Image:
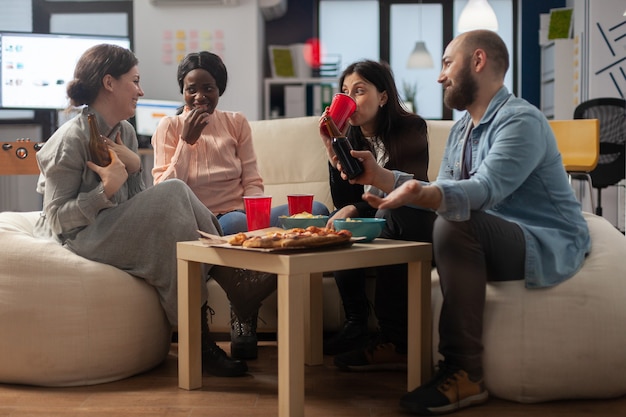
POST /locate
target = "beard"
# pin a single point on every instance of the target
(461, 95)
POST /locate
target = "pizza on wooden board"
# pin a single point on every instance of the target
(310, 237)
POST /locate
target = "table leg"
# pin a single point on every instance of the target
(291, 293)
(189, 332)
(313, 321)
(419, 324)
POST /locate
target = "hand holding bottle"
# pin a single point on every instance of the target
(350, 166)
(130, 159)
(113, 176)
(98, 149)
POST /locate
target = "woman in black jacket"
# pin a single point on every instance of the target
(399, 141)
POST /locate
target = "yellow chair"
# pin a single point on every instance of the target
(579, 143)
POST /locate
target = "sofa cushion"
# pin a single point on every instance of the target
(438, 131)
(564, 342)
(292, 158)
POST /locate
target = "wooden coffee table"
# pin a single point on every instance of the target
(300, 306)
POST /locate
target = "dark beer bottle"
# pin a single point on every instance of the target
(98, 150)
(349, 164)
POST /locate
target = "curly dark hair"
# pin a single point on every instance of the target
(207, 61)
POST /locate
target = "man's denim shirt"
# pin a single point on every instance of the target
(517, 174)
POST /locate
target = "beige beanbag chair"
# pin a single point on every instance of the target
(564, 342)
(67, 321)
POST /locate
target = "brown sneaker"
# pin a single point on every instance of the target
(376, 356)
(450, 390)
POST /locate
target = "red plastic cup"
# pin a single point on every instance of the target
(340, 110)
(258, 208)
(299, 203)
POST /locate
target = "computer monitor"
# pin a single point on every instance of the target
(148, 114)
(35, 68)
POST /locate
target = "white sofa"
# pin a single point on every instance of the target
(292, 159)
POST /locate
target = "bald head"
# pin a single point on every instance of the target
(491, 43)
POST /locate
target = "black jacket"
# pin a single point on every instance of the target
(408, 152)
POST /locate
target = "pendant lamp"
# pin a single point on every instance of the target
(420, 57)
(477, 14)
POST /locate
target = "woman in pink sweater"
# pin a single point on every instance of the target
(212, 151)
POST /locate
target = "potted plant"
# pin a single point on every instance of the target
(410, 91)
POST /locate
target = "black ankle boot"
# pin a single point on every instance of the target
(214, 360)
(353, 335)
(243, 338)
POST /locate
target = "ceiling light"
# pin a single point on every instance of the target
(477, 14)
(420, 57)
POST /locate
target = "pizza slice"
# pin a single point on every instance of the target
(310, 237)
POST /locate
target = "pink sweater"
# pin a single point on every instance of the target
(220, 168)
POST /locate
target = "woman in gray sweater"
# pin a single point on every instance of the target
(105, 213)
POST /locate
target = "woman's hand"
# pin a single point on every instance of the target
(113, 176)
(197, 118)
(130, 159)
(326, 139)
(342, 213)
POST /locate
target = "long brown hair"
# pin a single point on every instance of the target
(93, 65)
(391, 115)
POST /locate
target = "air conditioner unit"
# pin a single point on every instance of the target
(273, 9)
(195, 2)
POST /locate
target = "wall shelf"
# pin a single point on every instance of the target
(297, 97)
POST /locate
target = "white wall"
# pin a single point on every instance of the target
(600, 72)
(164, 33)
(601, 31)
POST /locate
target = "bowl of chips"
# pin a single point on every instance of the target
(302, 220)
(365, 229)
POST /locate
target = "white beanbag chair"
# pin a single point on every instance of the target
(68, 321)
(564, 342)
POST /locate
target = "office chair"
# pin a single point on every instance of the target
(579, 144)
(611, 168)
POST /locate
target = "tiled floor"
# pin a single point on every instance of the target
(328, 393)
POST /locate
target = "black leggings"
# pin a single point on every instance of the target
(390, 303)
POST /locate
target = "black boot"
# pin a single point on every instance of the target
(354, 334)
(214, 360)
(243, 338)
(246, 290)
